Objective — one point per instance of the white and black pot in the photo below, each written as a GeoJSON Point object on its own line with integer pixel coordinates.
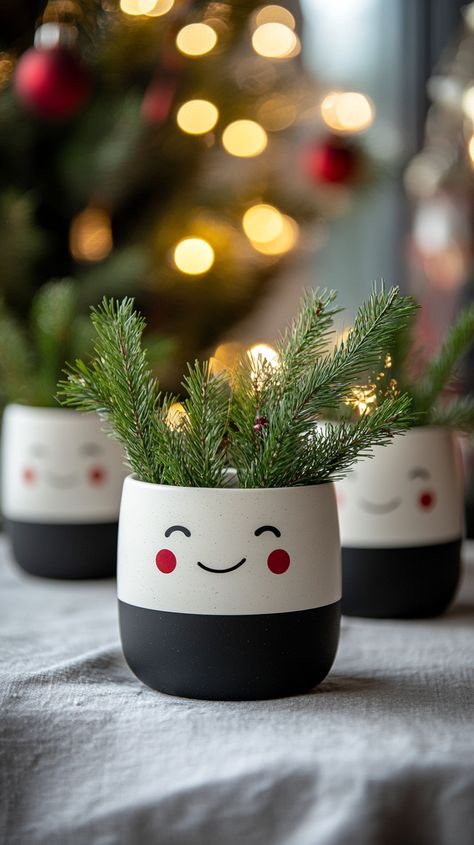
{"type": "Point", "coordinates": [401, 522]}
{"type": "Point", "coordinates": [61, 485]}
{"type": "Point", "coordinates": [229, 593]}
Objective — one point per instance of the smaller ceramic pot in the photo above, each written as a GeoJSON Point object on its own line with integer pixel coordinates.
{"type": "Point", "coordinates": [61, 485]}
{"type": "Point", "coordinates": [401, 521]}
{"type": "Point", "coordinates": [229, 593]}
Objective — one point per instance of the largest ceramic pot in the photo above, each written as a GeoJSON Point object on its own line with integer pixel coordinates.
{"type": "Point", "coordinates": [401, 520]}
{"type": "Point", "coordinates": [229, 593]}
{"type": "Point", "coordinates": [61, 485]}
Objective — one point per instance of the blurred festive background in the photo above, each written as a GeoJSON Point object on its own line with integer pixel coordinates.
{"type": "Point", "coordinates": [212, 158]}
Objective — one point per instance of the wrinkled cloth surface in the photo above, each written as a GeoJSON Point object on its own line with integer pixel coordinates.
{"type": "Point", "coordinates": [382, 752]}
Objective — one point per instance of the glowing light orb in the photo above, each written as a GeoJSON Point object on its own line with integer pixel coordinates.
{"type": "Point", "coordinates": [244, 138]}
{"type": "Point", "coordinates": [274, 40]}
{"type": "Point", "coordinates": [347, 111]}
{"type": "Point", "coordinates": [197, 117]}
{"type": "Point", "coordinates": [196, 39]}
{"type": "Point", "coordinates": [284, 242]}
{"type": "Point", "coordinates": [275, 14]}
{"type": "Point", "coordinates": [90, 235]}
{"type": "Point", "coordinates": [193, 256]}
{"type": "Point", "coordinates": [262, 223]}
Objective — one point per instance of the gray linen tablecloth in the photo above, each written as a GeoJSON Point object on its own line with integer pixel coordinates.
{"type": "Point", "coordinates": [381, 752]}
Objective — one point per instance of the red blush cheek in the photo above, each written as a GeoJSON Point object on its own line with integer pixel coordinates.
{"type": "Point", "coordinates": [426, 500]}
{"type": "Point", "coordinates": [97, 475]}
{"type": "Point", "coordinates": [28, 475]}
{"type": "Point", "coordinates": [165, 561]}
{"type": "Point", "coordinates": [278, 561]}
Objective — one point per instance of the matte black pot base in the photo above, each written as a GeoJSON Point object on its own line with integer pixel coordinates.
{"type": "Point", "coordinates": [230, 657]}
{"type": "Point", "coordinates": [402, 583]}
{"type": "Point", "coordinates": [74, 551]}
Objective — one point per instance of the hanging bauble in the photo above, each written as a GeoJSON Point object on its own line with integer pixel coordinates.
{"type": "Point", "coordinates": [54, 83]}
{"type": "Point", "coordinates": [330, 161]}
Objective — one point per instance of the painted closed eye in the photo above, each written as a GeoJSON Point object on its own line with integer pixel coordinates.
{"type": "Point", "coordinates": [418, 472]}
{"type": "Point", "coordinates": [181, 528]}
{"type": "Point", "coordinates": [270, 528]}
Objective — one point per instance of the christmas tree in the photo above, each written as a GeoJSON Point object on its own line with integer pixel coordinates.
{"type": "Point", "coordinates": [165, 149]}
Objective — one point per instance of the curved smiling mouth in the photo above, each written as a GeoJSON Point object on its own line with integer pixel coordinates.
{"type": "Point", "coordinates": [229, 568]}
{"type": "Point", "coordinates": [60, 481]}
{"type": "Point", "coordinates": [381, 508]}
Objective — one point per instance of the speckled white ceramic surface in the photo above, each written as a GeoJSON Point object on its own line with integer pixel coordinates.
{"type": "Point", "coordinates": [58, 466]}
{"type": "Point", "coordinates": [408, 494]}
{"type": "Point", "coordinates": [228, 551]}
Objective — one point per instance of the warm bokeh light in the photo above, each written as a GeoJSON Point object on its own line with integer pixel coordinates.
{"type": "Point", "coordinates": [226, 357]}
{"type": "Point", "coordinates": [6, 68]}
{"type": "Point", "coordinates": [159, 7]}
{"type": "Point", "coordinates": [175, 416]}
{"type": "Point", "coordinates": [262, 223]}
{"type": "Point", "coordinates": [274, 41]}
{"type": "Point", "coordinates": [197, 117]}
{"type": "Point", "coordinates": [468, 103]}
{"type": "Point", "coordinates": [274, 14]}
{"type": "Point", "coordinates": [265, 351]}
{"type": "Point", "coordinates": [90, 235]}
{"type": "Point", "coordinates": [347, 111]}
{"type": "Point", "coordinates": [284, 242]}
{"type": "Point", "coordinates": [277, 112]}
{"type": "Point", "coordinates": [244, 138]}
{"type": "Point", "coordinates": [470, 149]}
{"type": "Point", "coordinates": [193, 256]}
{"type": "Point", "coordinates": [196, 39]}
{"type": "Point", "coordinates": [362, 399]}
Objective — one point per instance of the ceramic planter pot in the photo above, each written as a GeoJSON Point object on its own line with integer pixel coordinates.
{"type": "Point", "coordinates": [401, 521]}
{"type": "Point", "coordinates": [61, 485]}
{"type": "Point", "coordinates": [229, 593]}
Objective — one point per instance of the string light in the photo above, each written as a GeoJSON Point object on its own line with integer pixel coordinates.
{"type": "Point", "coordinates": [284, 242]}
{"type": "Point", "coordinates": [347, 111]}
{"type": "Point", "coordinates": [275, 14]}
{"type": "Point", "coordinates": [262, 223]}
{"type": "Point", "coordinates": [264, 351]}
{"type": "Point", "coordinates": [197, 117]}
{"type": "Point", "coordinates": [160, 7]}
{"type": "Point", "coordinates": [193, 256]}
{"type": "Point", "coordinates": [143, 7]}
{"type": "Point", "coordinates": [225, 357]}
{"type": "Point", "coordinates": [196, 39]}
{"type": "Point", "coordinates": [362, 398]}
{"type": "Point", "coordinates": [90, 235]}
{"type": "Point", "coordinates": [274, 41]}
{"type": "Point", "coordinates": [176, 416]}
{"type": "Point", "coordinates": [244, 138]}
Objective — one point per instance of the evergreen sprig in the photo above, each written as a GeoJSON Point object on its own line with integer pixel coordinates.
{"type": "Point", "coordinates": [32, 355]}
{"type": "Point", "coordinates": [259, 419]}
{"type": "Point", "coordinates": [427, 384]}
{"type": "Point", "coordinates": [289, 398]}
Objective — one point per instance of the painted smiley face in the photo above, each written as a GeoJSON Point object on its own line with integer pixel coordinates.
{"type": "Point", "coordinates": [43, 466]}
{"type": "Point", "coordinates": [407, 492]}
{"type": "Point", "coordinates": [423, 498]}
{"type": "Point", "coordinates": [278, 561]}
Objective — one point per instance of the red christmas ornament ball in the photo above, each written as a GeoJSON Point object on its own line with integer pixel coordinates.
{"type": "Point", "coordinates": [51, 83]}
{"type": "Point", "coordinates": [330, 162]}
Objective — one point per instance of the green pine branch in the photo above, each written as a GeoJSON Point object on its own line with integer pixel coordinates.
{"type": "Point", "coordinates": [15, 359]}
{"type": "Point", "coordinates": [457, 414]}
{"type": "Point", "coordinates": [442, 369]}
{"type": "Point", "coordinates": [119, 385]}
{"type": "Point", "coordinates": [289, 405]}
{"type": "Point", "coordinates": [261, 417]}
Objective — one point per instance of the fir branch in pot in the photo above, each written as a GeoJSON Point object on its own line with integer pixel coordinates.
{"type": "Point", "coordinates": [61, 476]}
{"type": "Point", "coordinates": [401, 514]}
{"type": "Point", "coordinates": [233, 592]}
